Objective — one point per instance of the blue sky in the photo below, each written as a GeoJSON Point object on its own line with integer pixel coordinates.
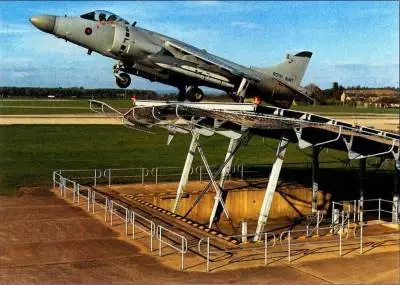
{"type": "Point", "coordinates": [354, 43]}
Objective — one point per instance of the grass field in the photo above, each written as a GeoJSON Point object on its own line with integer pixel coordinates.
{"type": "Point", "coordinates": [73, 106]}
{"type": "Point", "coordinates": [29, 153]}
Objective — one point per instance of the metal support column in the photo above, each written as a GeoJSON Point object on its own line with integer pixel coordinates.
{"type": "Point", "coordinates": [272, 182]}
{"type": "Point", "coordinates": [186, 169]}
{"type": "Point", "coordinates": [363, 168]}
{"type": "Point", "coordinates": [396, 193]}
{"type": "Point", "coordinates": [213, 182]}
{"type": "Point", "coordinates": [315, 170]}
{"type": "Point", "coordinates": [217, 208]}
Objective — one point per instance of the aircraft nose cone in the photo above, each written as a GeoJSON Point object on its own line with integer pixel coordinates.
{"type": "Point", "coordinates": [44, 22]}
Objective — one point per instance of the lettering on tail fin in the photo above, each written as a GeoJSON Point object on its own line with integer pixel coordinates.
{"type": "Point", "coordinates": [292, 69]}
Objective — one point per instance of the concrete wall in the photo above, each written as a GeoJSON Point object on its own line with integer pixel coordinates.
{"type": "Point", "coordinates": [245, 204]}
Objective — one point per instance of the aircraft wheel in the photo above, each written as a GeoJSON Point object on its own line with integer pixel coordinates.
{"type": "Point", "coordinates": [195, 94]}
{"type": "Point", "coordinates": [125, 82]}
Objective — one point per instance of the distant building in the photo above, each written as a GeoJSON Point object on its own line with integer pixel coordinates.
{"type": "Point", "coordinates": [370, 97]}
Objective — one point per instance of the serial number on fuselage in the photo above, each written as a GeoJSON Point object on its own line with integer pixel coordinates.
{"type": "Point", "coordinates": [280, 76]}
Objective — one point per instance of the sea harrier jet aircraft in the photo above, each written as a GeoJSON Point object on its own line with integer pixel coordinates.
{"type": "Point", "coordinates": [163, 59]}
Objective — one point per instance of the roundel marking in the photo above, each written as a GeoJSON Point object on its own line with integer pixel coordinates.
{"type": "Point", "coordinates": [88, 31]}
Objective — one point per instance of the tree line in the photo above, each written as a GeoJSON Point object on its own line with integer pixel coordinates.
{"type": "Point", "coordinates": [76, 92]}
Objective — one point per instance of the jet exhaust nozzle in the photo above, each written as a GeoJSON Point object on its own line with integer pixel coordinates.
{"type": "Point", "coordinates": [44, 22]}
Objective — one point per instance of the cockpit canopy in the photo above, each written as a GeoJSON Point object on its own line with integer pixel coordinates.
{"type": "Point", "coordinates": [102, 15]}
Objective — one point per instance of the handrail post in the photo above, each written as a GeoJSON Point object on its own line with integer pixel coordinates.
{"type": "Point", "coordinates": [354, 210]}
{"type": "Point", "coordinates": [105, 211]}
{"type": "Point", "coordinates": [126, 221]}
{"type": "Point", "coordinates": [200, 175]}
{"type": "Point", "coordinates": [89, 195]}
{"type": "Point", "coordinates": [318, 221]}
{"type": "Point", "coordinates": [111, 211]}
{"type": "Point", "coordinates": [54, 179]}
{"type": "Point", "coordinates": [340, 243]}
{"type": "Point", "coordinates": [77, 190]}
{"type": "Point", "coordinates": [156, 175]}
{"type": "Point", "coordinates": [266, 249]}
{"type": "Point", "coordinates": [307, 230]}
{"type": "Point", "coordinates": [142, 176]}
{"type": "Point", "coordinates": [241, 173]}
{"type": "Point", "coordinates": [152, 229]}
{"type": "Point", "coordinates": [109, 178]}
{"type": "Point", "coordinates": [379, 209]}
{"type": "Point", "coordinates": [208, 254]}
{"type": "Point", "coordinates": [93, 200]}
{"type": "Point", "coordinates": [95, 177]}
{"type": "Point", "coordinates": [133, 224]}
{"type": "Point", "coordinates": [74, 192]}
{"type": "Point", "coordinates": [342, 219]}
{"type": "Point", "coordinates": [361, 238]}
{"type": "Point", "coordinates": [159, 241]}
{"type": "Point", "coordinates": [182, 249]}
{"type": "Point", "coordinates": [333, 211]}
{"type": "Point", "coordinates": [289, 247]}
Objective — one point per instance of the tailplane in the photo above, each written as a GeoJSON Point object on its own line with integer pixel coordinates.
{"type": "Point", "coordinates": [292, 69]}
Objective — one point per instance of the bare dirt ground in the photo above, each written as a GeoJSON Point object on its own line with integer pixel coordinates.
{"type": "Point", "coordinates": [44, 239]}
{"type": "Point", "coordinates": [386, 122]}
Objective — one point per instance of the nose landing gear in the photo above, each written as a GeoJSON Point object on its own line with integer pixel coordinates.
{"type": "Point", "coordinates": [123, 80]}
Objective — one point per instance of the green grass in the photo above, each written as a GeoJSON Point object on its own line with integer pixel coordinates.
{"type": "Point", "coordinates": [29, 153]}
{"type": "Point", "coordinates": [345, 110]}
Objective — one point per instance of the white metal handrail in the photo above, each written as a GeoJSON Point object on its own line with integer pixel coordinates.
{"type": "Point", "coordinates": [290, 244]}
{"type": "Point", "coordinates": [290, 232]}
{"type": "Point", "coordinates": [182, 249]}
{"type": "Point", "coordinates": [359, 207]}
{"type": "Point", "coordinates": [71, 188]}
{"type": "Point", "coordinates": [209, 252]}
{"type": "Point", "coordinates": [96, 174]}
{"type": "Point", "coordinates": [108, 173]}
{"type": "Point", "coordinates": [157, 172]}
{"type": "Point", "coordinates": [115, 212]}
{"type": "Point", "coordinates": [104, 206]}
{"type": "Point", "coordinates": [87, 197]}
{"type": "Point", "coordinates": [151, 226]}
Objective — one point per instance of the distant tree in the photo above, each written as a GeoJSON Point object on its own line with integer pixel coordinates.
{"type": "Point", "coordinates": [335, 86]}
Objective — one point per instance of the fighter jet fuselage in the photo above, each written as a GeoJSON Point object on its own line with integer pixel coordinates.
{"type": "Point", "coordinates": [160, 58]}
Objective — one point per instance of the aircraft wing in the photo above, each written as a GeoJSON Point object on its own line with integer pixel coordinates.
{"type": "Point", "coordinates": [233, 68]}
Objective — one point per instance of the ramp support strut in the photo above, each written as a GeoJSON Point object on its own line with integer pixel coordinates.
{"type": "Point", "coordinates": [216, 211]}
{"type": "Point", "coordinates": [396, 193]}
{"type": "Point", "coordinates": [272, 183]}
{"type": "Point", "coordinates": [315, 170]}
{"type": "Point", "coordinates": [186, 169]}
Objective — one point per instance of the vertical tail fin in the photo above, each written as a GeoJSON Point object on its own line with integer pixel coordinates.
{"type": "Point", "coordinates": [293, 68]}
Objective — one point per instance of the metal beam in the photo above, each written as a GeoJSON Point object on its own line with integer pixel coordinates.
{"type": "Point", "coordinates": [315, 170]}
{"type": "Point", "coordinates": [186, 169]}
{"type": "Point", "coordinates": [217, 208]}
{"type": "Point", "coordinates": [214, 183]}
{"type": "Point", "coordinates": [272, 182]}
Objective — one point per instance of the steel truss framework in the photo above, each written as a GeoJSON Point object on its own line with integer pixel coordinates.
{"type": "Point", "coordinates": [233, 120]}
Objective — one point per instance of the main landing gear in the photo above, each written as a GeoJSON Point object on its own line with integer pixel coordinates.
{"type": "Point", "coordinates": [192, 93]}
